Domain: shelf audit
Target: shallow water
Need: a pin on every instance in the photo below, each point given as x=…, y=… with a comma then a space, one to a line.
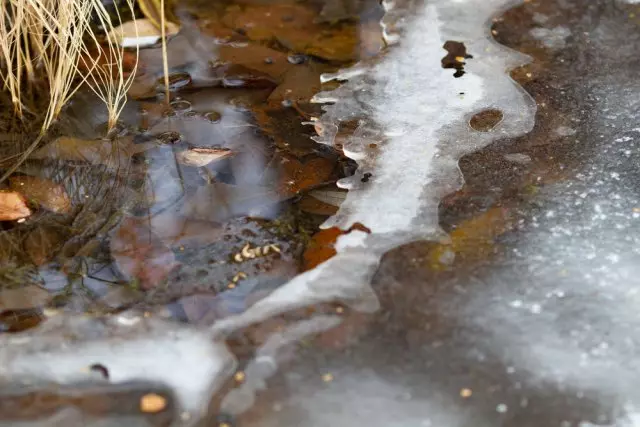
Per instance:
x=510, y=301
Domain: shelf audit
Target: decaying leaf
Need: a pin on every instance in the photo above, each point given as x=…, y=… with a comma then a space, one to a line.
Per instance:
x=42, y=243
x=141, y=33
x=23, y=298
x=297, y=176
x=333, y=196
x=102, y=58
x=140, y=255
x=321, y=247
x=13, y=206
x=314, y=206
x=219, y=202
x=298, y=85
x=112, y=153
x=199, y=157
x=294, y=26
x=42, y=192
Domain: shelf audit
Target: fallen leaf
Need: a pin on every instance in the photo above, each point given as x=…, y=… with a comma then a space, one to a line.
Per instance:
x=295, y=27
x=312, y=205
x=140, y=255
x=298, y=85
x=141, y=33
x=199, y=157
x=473, y=238
x=23, y=298
x=112, y=153
x=297, y=176
x=13, y=206
x=103, y=59
x=321, y=247
x=219, y=202
x=43, y=192
x=332, y=196
x=42, y=243
x=256, y=57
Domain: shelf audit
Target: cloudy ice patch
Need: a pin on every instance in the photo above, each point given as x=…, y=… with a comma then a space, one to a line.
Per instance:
x=555, y=38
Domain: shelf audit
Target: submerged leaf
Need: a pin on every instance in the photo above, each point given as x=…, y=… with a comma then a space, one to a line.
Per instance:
x=43, y=192
x=12, y=206
x=141, y=33
x=199, y=157
x=140, y=255
x=333, y=196
x=23, y=298
x=112, y=153
x=294, y=26
x=42, y=243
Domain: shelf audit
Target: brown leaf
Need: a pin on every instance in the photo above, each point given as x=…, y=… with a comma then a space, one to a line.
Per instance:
x=199, y=157
x=219, y=202
x=23, y=298
x=298, y=85
x=297, y=176
x=101, y=58
x=256, y=57
x=140, y=255
x=294, y=26
x=321, y=247
x=111, y=153
x=12, y=206
x=312, y=205
x=42, y=243
x=43, y=192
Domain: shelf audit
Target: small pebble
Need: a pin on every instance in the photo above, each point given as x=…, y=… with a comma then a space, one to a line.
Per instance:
x=152, y=403
x=296, y=59
x=239, y=376
x=466, y=392
x=327, y=378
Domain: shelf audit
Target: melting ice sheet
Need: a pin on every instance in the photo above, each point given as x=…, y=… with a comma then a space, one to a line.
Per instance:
x=413, y=128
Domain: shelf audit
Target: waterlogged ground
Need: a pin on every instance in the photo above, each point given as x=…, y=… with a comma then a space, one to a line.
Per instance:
x=485, y=268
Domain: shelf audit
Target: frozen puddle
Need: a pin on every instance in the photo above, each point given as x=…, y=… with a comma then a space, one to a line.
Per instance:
x=413, y=126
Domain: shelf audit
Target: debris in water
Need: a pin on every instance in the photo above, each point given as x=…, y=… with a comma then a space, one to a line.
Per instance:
x=140, y=33
x=43, y=192
x=456, y=57
x=200, y=157
x=13, y=206
x=152, y=403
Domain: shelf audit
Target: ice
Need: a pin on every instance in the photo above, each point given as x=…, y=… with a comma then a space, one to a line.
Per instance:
x=410, y=108
x=130, y=346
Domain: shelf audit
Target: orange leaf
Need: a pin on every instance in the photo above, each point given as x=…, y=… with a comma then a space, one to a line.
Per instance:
x=13, y=206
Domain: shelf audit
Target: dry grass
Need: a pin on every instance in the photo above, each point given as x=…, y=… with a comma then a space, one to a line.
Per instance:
x=53, y=41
